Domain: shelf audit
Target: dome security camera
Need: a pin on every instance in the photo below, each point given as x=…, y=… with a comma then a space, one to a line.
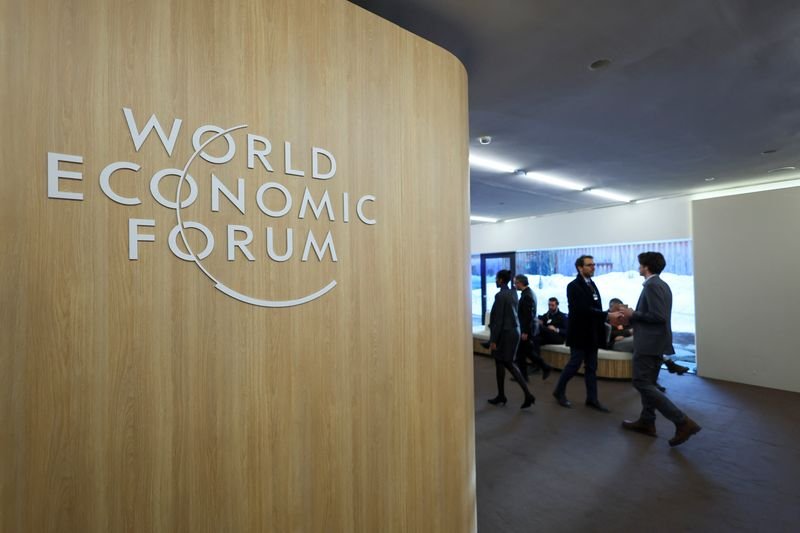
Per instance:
x=484, y=139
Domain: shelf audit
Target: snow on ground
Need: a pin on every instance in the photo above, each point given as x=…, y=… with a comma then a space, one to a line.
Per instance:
x=623, y=285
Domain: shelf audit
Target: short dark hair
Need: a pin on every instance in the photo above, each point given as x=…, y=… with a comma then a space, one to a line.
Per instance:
x=522, y=279
x=654, y=261
x=553, y=299
x=579, y=261
x=613, y=301
x=504, y=276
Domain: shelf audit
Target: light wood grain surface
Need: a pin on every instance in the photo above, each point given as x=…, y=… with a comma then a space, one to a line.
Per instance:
x=137, y=397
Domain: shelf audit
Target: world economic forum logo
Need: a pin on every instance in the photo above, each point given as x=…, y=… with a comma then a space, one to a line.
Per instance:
x=258, y=150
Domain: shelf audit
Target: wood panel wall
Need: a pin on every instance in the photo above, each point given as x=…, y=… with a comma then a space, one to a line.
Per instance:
x=134, y=396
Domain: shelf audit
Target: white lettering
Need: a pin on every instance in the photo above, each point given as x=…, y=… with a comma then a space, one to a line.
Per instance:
x=345, y=207
x=140, y=136
x=310, y=241
x=252, y=153
x=54, y=174
x=173, y=241
x=287, y=160
x=260, y=199
x=161, y=174
x=271, y=248
x=197, y=143
x=325, y=202
x=217, y=186
x=315, y=153
x=105, y=183
x=359, y=207
x=234, y=243
x=134, y=237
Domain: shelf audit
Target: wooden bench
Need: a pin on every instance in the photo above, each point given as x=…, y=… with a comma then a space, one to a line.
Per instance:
x=610, y=364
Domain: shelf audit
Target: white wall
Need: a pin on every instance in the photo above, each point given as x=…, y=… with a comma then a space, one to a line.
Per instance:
x=747, y=288
x=747, y=270
x=660, y=220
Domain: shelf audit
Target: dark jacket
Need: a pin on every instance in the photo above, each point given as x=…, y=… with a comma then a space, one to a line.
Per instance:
x=652, y=319
x=504, y=324
x=527, y=312
x=503, y=317
x=557, y=320
x=587, y=318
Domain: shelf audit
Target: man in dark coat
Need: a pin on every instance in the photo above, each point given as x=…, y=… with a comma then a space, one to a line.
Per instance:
x=553, y=324
x=528, y=325
x=585, y=335
x=504, y=338
x=653, y=339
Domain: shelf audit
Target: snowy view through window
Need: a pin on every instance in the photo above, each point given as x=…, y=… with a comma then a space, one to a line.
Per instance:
x=616, y=276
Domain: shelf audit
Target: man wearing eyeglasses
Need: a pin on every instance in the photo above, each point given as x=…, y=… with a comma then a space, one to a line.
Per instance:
x=585, y=335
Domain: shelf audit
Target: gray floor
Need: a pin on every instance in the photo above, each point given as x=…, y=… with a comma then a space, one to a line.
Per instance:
x=552, y=469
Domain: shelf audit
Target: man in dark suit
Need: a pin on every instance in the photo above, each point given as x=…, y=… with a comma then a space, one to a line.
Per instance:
x=653, y=339
x=528, y=325
x=553, y=324
x=504, y=338
x=586, y=333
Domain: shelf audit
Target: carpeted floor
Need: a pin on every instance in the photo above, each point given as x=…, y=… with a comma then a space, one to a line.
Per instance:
x=551, y=469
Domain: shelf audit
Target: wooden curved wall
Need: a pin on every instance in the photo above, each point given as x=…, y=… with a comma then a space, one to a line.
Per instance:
x=138, y=397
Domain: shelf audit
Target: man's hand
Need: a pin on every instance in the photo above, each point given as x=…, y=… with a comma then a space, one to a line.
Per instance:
x=524, y=336
x=627, y=313
x=615, y=318
x=551, y=327
x=493, y=346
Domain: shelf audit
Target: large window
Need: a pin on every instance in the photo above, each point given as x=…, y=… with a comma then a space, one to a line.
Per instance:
x=616, y=276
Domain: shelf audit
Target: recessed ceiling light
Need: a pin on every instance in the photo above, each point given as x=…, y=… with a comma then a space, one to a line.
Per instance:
x=602, y=193
x=770, y=151
x=599, y=64
x=710, y=179
x=490, y=164
x=476, y=218
x=555, y=182
x=781, y=169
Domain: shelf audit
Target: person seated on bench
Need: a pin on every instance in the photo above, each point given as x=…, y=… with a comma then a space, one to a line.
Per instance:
x=620, y=338
x=552, y=324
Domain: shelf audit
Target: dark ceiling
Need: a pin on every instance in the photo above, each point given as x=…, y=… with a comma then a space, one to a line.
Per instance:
x=696, y=89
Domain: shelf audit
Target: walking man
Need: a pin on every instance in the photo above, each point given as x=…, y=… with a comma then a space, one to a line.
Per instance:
x=528, y=325
x=653, y=339
x=586, y=333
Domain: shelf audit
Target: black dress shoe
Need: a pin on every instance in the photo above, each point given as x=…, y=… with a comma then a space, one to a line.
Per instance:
x=597, y=406
x=498, y=400
x=530, y=400
x=684, y=431
x=545, y=373
x=640, y=426
x=562, y=400
x=675, y=368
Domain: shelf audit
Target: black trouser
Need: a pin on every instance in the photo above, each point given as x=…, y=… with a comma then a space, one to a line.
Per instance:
x=530, y=350
x=500, y=373
x=504, y=360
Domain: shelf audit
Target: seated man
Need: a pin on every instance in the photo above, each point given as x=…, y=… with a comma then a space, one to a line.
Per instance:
x=552, y=324
x=620, y=338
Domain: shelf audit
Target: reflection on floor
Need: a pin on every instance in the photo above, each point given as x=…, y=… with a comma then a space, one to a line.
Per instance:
x=553, y=469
